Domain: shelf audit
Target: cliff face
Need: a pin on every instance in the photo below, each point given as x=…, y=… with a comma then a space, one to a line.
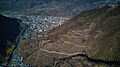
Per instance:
x=99, y=30
x=9, y=30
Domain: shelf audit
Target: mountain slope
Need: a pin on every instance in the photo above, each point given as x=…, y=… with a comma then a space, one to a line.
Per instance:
x=50, y=7
x=97, y=30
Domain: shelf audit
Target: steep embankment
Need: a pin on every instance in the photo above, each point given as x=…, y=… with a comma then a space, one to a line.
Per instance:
x=98, y=30
x=9, y=30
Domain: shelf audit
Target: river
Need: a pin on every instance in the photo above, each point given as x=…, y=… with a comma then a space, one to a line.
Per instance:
x=17, y=45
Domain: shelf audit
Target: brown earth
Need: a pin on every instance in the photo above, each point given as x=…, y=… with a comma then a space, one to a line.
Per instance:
x=95, y=33
x=91, y=30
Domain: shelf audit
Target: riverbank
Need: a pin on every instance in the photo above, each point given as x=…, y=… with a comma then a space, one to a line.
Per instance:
x=17, y=45
x=10, y=29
